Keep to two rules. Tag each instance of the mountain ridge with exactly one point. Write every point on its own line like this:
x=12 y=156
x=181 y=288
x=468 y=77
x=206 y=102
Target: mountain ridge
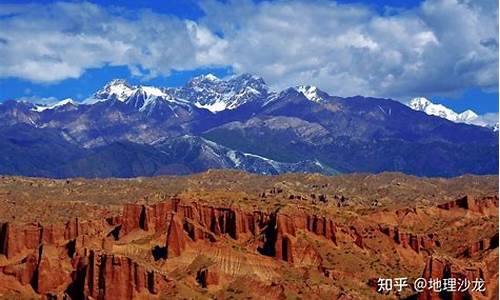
x=467 y=116
x=299 y=129
x=214 y=94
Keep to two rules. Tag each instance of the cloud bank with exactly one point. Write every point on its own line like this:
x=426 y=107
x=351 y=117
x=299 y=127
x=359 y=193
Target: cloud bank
x=439 y=47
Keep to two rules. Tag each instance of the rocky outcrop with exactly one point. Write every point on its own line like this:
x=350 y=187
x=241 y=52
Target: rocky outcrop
x=487 y=205
x=417 y=242
x=207 y=276
x=23 y=271
x=278 y=231
x=482 y=245
x=221 y=221
x=113 y=277
x=197 y=232
x=145 y=217
x=47 y=270
x=94 y=276
x=176 y=237
x=133 y=217
x=53 y=271
x=194 y=221
x=17 y=239
x=440 y=268
x=321 y=226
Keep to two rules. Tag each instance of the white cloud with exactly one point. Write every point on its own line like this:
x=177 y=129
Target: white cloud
x=436 y=48
x=48 y=43
x=488 y=119
x=440 y=47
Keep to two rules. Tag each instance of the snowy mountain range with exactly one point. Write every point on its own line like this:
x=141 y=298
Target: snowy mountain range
x=468 y=116
x=126 y=130
x=206 y=91
x=215 y=95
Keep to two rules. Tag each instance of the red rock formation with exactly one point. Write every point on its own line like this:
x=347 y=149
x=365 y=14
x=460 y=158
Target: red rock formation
x=22 y=271
x=176 y=238
x=72 y=229
x=197 y=232
x=304 y=254
x=280 y=236
x=16 y=239
x=416 y=242
x=485 y=205
x=138 y=216
x=482 y=245
x=219 y=221
x=285 y=230
x=157 y=215
x=47 y=272
x=52 y=271
x=285 y=248
x=439 y=268
x=19 y=238
x=133 y=217
x=207 y=276
x=358 y=238
x=321 y=226
x=113 y=277
x=198 y=221
x=73 y=248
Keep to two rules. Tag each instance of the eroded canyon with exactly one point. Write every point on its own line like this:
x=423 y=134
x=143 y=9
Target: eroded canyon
x=232 y=235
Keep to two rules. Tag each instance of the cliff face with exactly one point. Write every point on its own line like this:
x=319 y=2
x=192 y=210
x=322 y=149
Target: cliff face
x=17 y=239
x=149 y=218
x=483 y=205
x=417 y=242
x=176 y=238
x=52 y=271
x=275 y=231
x=57 y=259
x=116 y=277
x=440 y=268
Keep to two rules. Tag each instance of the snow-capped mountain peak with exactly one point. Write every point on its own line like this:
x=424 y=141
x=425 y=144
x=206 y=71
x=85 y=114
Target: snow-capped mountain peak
x=118 y=89
x=152 y=91
x=65 y=102
x=205 y=91
x=204 y=79
x=210 y=77
x=425 y=105
x=215 y=95
x=430 y=108
x=312 y=93
x=468 y=116
x=419 y=103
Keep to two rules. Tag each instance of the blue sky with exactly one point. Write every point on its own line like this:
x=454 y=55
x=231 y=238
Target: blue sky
x=395 y=49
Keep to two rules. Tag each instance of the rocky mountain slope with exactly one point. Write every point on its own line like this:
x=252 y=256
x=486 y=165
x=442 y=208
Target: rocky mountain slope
x=232 y=235
x=139 y=130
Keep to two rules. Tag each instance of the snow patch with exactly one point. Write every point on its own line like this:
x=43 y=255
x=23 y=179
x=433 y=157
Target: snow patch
x=213 y=107
x=68 y=101
x=310 y=92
